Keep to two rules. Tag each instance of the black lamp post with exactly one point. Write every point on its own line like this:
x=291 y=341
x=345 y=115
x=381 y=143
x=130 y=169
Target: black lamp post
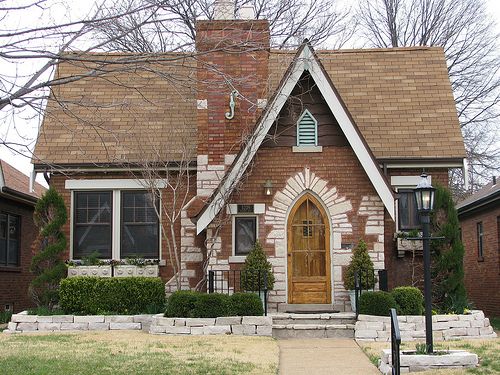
x=424 y=197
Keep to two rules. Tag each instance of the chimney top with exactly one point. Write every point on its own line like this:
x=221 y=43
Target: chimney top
x=224 y=10
x=247 y=12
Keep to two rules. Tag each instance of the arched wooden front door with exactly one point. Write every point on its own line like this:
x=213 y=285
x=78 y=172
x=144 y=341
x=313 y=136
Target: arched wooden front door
x=308 y=253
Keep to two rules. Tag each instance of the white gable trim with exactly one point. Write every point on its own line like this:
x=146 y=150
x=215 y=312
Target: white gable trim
x=304 y=61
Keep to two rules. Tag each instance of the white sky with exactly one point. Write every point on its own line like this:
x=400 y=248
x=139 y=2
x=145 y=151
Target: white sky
x=79 y=7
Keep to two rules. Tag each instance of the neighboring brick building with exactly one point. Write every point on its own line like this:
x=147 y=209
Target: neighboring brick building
x=479 y=217
x=334 y=136
x=17 y=233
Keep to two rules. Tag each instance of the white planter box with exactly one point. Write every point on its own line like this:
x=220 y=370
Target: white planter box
x=131 y=271
x=96 y=271
x=404 y=245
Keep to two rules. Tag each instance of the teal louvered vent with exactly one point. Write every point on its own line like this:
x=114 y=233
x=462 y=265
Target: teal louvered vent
x=307 y=130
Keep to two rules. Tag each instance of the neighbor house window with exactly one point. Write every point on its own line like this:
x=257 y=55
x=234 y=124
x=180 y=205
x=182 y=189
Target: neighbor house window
x=92 y=224
x=407 y=211
x=139 y=225
x=480 y=253
x=10 y=226
x=307 y=130
x=245 y=234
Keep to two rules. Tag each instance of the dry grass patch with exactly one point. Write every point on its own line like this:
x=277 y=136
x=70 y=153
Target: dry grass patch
x=128 y=352
x=488 y=352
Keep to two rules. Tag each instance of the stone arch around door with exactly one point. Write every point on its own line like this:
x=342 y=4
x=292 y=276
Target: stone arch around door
x=335 y=207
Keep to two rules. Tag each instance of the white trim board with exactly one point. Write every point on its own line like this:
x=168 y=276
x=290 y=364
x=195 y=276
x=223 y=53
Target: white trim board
x=304 y=60
x=111 y=184
x=407 y=181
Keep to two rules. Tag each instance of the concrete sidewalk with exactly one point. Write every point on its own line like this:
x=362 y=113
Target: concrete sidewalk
x=323 y=356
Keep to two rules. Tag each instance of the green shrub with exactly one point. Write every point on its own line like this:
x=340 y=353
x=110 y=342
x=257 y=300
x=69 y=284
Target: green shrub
x=246 y=304
x=360 y=261
x=5 y=316
x=255 y=267
x=181 y=304
x=100 y=295
x=409 y=300
x=211 y=305
x=376 y=303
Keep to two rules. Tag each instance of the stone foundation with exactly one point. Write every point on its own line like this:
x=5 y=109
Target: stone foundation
x=412 y=327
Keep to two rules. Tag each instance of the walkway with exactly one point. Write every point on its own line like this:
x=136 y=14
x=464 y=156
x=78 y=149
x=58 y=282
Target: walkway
x=323 y=356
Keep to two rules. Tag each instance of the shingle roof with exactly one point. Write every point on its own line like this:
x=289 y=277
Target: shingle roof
x=17 y=181
x=400 y=99
x=485 y=195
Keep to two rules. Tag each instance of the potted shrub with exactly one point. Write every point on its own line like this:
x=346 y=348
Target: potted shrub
x=253 y=271
x=361 y=263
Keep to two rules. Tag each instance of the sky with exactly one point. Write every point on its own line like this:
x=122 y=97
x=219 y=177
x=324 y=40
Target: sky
x=29 y=125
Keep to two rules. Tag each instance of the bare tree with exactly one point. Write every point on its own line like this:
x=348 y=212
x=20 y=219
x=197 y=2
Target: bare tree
x=466 y=32
x=172 y=25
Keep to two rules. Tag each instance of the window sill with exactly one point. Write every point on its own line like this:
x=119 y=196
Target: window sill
x=307 y=148
x=237 y=259
x=17 y=269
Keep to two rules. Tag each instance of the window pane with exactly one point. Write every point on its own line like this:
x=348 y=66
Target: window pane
x=13 y=246
x=92 y=231
x=245 y=234
x=92 y=238
x=407 y=212
x=139 y=225
x=3 y=239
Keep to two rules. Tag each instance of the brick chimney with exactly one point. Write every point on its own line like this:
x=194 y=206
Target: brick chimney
x=232 y=62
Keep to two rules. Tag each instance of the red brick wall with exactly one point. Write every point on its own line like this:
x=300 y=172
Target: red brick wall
x=482 y=278
x=58 y=182
x=337 y=165
x=237 y=58
x=400 y=269
x=14 y=281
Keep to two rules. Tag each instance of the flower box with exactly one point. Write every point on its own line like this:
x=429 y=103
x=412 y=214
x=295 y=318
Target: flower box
x=141 y=271
x=96 y=271
x=404 y=245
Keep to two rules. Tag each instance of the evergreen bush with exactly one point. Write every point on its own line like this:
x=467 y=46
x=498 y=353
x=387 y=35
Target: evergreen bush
x=120 y=295
x=448 y=289
x=180 y=304
x=246 y=304
x=376 y=303
x=362 y=263
x=211 y=305
x=253 y=271
x=49 y=216
x=409 y=300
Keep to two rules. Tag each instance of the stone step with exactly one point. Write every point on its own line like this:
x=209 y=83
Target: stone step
x=313 y=331
x=314 y=319
x=310 y=308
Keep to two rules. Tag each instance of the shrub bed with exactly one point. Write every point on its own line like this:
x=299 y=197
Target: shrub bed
x=127 y=295
x=409 y=300
x=189 y=304
x=376 y=303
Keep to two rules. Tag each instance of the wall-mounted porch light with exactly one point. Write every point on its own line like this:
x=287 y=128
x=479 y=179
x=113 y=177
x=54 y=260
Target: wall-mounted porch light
x=268 y=188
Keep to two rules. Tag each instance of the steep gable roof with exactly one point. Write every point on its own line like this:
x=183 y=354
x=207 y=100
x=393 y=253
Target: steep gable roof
x=13 y=181
x=305 y=60
x=400 y=99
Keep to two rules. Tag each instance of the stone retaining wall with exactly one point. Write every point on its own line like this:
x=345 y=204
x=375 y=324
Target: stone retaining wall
x=29 y=323
x=412 y=328
x=230 y=325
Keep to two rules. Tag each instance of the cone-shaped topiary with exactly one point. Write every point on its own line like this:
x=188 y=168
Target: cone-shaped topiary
x=50 y=215
x=448 y=290
x=253 y=271
x=362 y=263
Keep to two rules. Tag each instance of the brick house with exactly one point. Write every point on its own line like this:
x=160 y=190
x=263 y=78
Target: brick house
x=292 y=148
x=17 y=233
x=479 y=217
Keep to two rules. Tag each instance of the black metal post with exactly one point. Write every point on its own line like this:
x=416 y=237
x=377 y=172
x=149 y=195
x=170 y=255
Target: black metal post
x=265 y=293
x=357 y=286
x=425 y=220
x=395 y=343
x=211 y=281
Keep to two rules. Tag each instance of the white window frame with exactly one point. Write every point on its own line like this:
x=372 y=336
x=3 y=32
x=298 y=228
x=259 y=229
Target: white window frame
x=116 y=186
x=404 y=183
x=241 y=258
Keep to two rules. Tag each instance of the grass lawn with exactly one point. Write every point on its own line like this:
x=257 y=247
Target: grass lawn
x=132 y=352
x=488 y=352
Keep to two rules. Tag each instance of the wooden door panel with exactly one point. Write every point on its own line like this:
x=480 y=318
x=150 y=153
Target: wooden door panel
x=308 y=253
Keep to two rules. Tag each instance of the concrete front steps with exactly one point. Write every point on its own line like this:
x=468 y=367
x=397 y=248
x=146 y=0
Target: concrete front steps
x=313 y=325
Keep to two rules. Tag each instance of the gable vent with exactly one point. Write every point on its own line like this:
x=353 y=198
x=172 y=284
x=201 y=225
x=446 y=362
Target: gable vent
x=307 y=130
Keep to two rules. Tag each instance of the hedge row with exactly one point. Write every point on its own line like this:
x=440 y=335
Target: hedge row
x=189 y=304
x=406 y=300
x=99 y=295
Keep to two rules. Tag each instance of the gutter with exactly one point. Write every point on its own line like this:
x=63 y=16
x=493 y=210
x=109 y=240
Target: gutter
x=479 y=204
x=18 y=196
